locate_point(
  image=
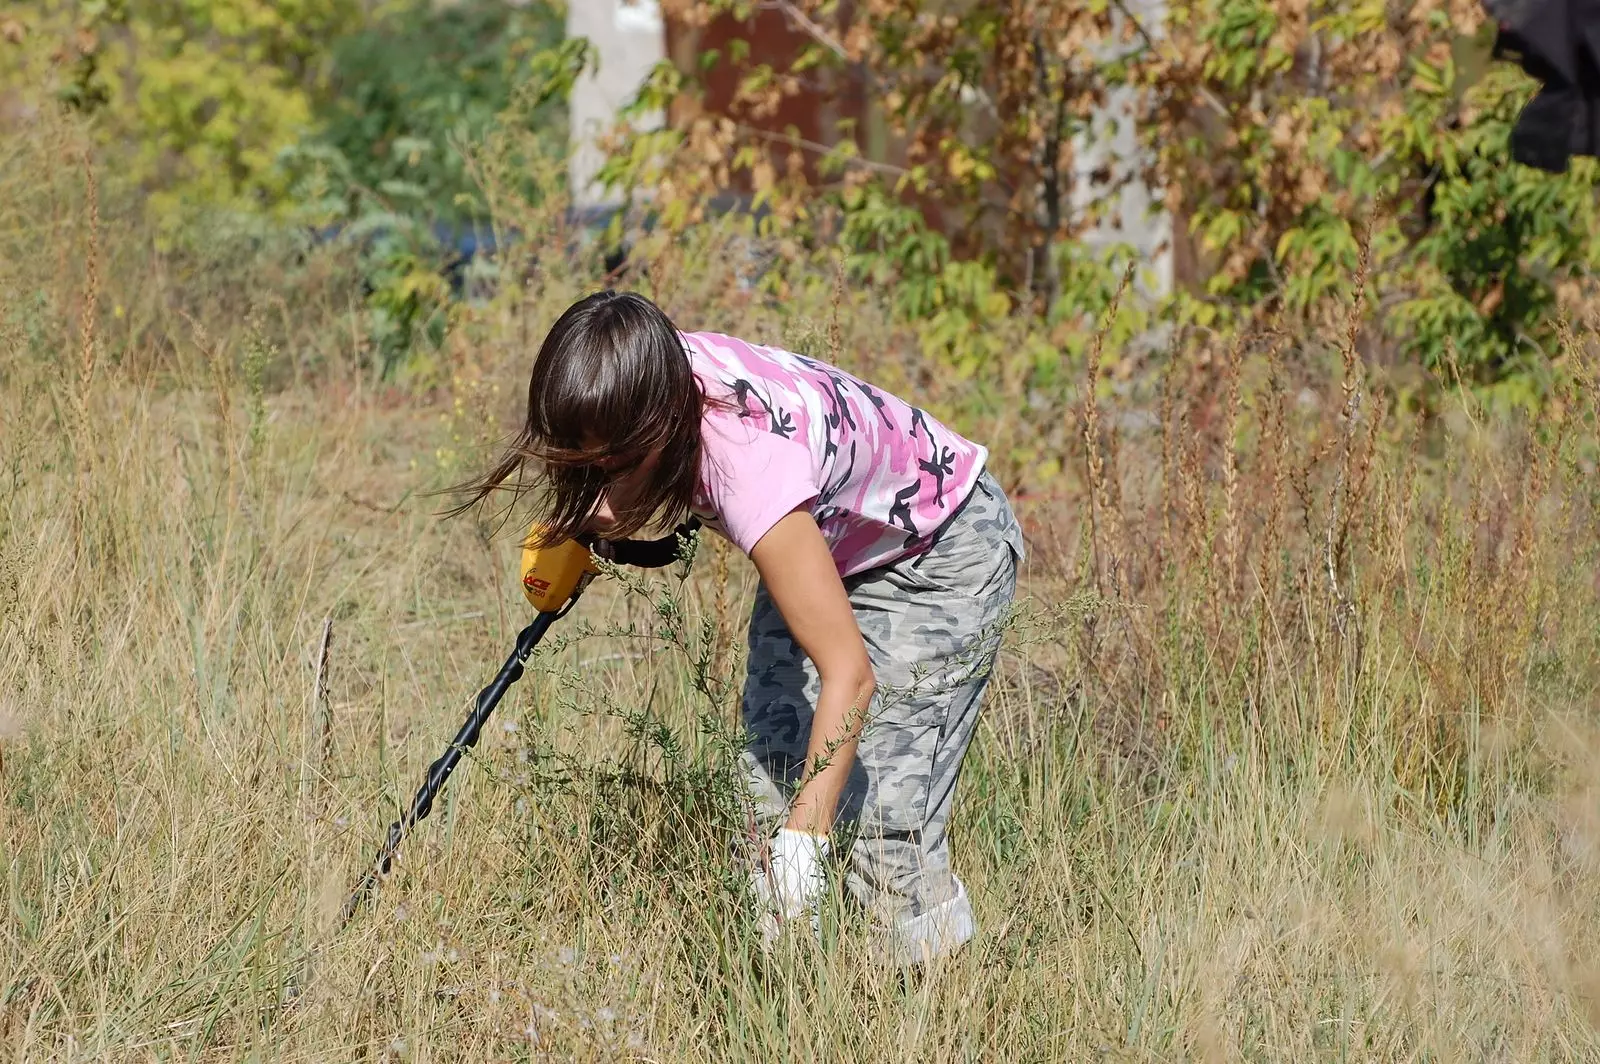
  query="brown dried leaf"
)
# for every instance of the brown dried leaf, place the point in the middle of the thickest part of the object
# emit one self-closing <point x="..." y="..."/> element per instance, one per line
<point x="763" y="176"/>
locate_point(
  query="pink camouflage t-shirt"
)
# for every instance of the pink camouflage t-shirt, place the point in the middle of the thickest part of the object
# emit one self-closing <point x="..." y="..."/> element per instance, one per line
<point x="879" y="475"/>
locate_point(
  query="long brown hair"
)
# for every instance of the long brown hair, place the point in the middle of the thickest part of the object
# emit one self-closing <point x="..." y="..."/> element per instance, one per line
<point x="611" y="383"/>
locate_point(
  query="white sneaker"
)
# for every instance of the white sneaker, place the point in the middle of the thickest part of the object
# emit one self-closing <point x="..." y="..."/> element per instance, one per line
<point x="936" y="933"/>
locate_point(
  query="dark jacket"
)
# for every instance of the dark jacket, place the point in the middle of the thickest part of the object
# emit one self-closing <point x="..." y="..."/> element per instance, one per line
<point x="1557" y="42"/>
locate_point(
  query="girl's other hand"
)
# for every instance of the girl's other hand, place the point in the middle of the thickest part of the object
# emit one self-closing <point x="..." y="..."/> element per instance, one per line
<point x="792" y="878"/>
<point x="801" y="577"/>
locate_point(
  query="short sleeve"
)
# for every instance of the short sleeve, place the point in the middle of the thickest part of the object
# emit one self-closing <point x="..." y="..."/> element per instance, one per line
<point x="753" y="478"/>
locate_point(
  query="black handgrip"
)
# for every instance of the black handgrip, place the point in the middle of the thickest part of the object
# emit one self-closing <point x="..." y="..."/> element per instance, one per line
<point x="652" y="553"/>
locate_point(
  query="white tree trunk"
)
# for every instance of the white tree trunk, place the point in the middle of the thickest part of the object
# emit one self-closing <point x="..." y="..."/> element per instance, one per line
<point x="629" y="38"/>
<point x="1133" y="216"/>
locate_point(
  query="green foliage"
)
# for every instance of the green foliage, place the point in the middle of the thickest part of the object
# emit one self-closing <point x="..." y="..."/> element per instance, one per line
<point x="1287" y="133"/>
<point x="195" y="100"/>
<point x="414" y="99"/>
<point x="418" y="88"/>
<point x="397" y="254"/>
<point x="1403" y="134"/>
<point x="1500" y="244"/>
<point x="250" y="115"/>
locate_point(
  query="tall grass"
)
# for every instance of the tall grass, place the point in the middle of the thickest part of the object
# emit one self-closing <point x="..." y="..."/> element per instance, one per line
<point x="1292" y="753"/>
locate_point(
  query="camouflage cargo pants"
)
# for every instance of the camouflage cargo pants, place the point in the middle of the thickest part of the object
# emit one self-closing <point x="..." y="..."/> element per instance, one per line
<point x="932" y="626"/>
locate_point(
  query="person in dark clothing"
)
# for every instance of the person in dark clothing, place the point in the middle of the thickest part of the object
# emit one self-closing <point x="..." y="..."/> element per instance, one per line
<point x="1557" y="42"/>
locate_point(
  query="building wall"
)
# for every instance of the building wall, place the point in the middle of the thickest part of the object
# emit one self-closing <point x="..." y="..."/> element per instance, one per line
<point x="809" y="121"/>
<point x="629" y="38"/>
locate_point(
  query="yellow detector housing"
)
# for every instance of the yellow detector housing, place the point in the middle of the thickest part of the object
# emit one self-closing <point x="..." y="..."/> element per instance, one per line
<point x="550" y="575"/>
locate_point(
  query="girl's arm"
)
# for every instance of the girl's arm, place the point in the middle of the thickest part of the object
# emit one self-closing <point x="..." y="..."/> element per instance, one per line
<point x="804" y="584"/>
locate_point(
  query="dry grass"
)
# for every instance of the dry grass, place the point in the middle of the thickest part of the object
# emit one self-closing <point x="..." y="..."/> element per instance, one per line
<point x="1294" y="756"/>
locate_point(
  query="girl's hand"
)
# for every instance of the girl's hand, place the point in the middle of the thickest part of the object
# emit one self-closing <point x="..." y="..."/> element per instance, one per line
<point x="803" y="581"/>
<point x="791" y="879"/>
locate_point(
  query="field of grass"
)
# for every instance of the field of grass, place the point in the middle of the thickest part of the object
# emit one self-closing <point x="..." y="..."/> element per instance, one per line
<point x="1293" y="753"/>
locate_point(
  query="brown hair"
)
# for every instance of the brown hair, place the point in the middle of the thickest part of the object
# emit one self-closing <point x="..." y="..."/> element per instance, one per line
<point x="611" y="383"/>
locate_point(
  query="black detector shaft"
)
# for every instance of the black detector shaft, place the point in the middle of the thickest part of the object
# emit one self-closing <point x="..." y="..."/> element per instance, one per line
<point x="647" y="554"/>
<point x="440" y="770"/>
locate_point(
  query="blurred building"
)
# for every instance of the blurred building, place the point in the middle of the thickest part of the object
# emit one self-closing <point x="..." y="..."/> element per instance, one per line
<point x="631" y="36"/>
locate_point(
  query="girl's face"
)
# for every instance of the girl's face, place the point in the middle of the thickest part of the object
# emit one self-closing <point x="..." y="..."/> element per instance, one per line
<point x="621" y="493"/>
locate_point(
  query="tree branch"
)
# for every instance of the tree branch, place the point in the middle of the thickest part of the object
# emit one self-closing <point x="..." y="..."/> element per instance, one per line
<point x="817" y="33"/>
<point x="811" y="29"/>
<point x="1042" y="277"/>
<point x="792" y="141"/>
<point x="987" y="203"/>
<point x="1121" y="5"/>
<point x="1206" y="95"/>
